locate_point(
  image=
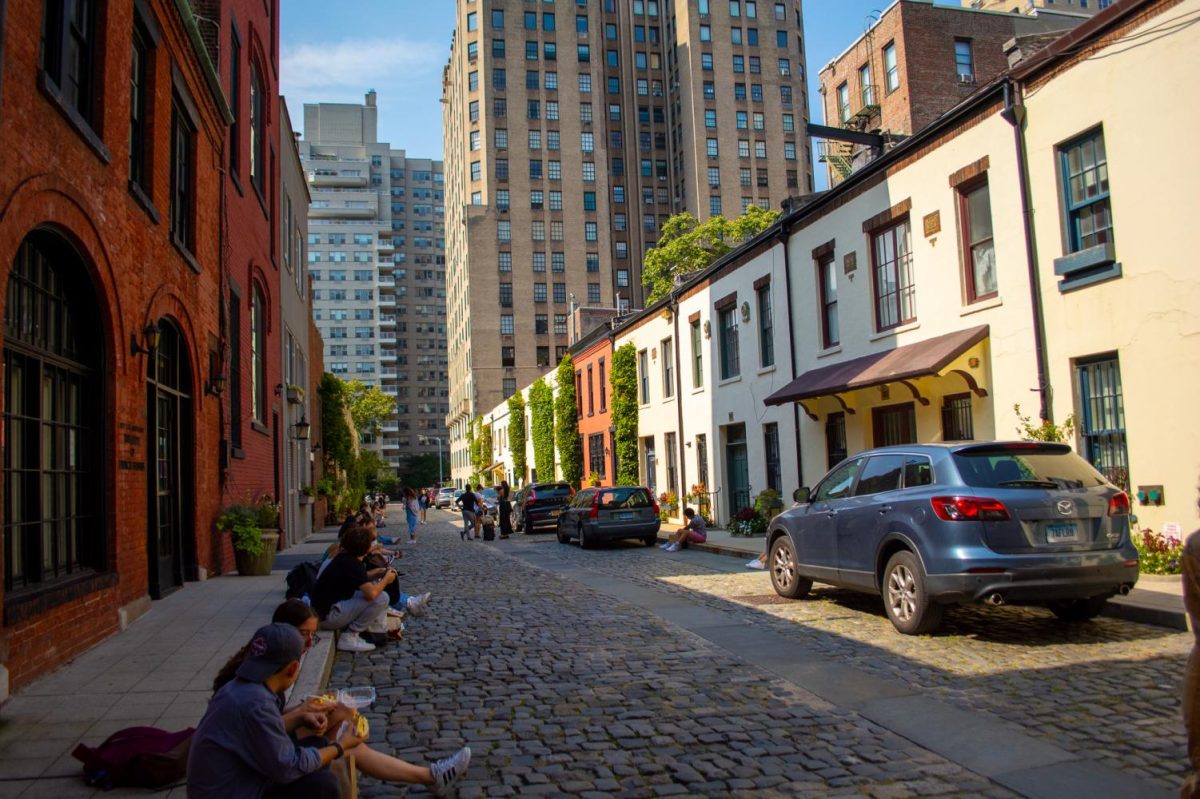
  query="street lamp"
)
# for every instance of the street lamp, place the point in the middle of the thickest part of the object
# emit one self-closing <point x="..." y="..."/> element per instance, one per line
<point x="439" y="442"/>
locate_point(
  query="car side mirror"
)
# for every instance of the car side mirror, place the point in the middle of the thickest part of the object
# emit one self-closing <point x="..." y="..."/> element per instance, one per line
<point x="801" y="496"/>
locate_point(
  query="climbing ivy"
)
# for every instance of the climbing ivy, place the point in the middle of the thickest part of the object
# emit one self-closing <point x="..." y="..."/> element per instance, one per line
<point x="541" y="412"/>
<point x="625" y="413"/>
<point x="484" y="442"/>
<point x="566" y="427"/>
<point x="516" y="434"/>
<point x="472" y="447"/>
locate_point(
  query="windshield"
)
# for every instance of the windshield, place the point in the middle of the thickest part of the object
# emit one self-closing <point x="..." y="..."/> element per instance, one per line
<point x="490" y="493"/>
<point x="553" y="490"/>
<point x="1026" y="469"/>
<point x="626" y="498"/>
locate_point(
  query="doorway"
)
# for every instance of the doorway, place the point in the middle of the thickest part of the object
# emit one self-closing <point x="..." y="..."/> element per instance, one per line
<point x="737" y="466"/>
<point x="651" y="465"/>
<point x="170" y="537"/>
<point x="895" y="424"/>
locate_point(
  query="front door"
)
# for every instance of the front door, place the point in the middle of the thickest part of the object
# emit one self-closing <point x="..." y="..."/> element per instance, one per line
<point x="737" y="465"/>
<point x="170" y="540"/>
<point x="895" y="424"/>
<point x="651" y="466"/>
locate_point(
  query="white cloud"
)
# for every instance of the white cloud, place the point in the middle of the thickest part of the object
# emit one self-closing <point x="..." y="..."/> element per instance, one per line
<point x="327" y="72"/>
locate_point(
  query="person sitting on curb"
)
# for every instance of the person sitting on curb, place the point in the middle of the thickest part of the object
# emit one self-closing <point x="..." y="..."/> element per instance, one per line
<point x="241" y="747"/>
<point x="351" y="599"/>
<point x="440" y="775"/>
<point x="694" y="531"/>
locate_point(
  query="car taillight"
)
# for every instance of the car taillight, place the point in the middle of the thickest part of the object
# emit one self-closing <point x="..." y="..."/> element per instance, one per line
<point x="1118" y="504"/>
<point x="595" y="511"/>
<point x="654" y="504"/>
<point x="969" y="509"/>
<point x="532" y="498"/>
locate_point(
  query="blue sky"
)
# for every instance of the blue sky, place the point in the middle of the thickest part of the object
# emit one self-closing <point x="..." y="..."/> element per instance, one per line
<point x="334" y="52"/>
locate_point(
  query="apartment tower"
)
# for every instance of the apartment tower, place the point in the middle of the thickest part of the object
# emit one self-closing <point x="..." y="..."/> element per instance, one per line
<point x="573" y="130"/>
<point x="375" y="253"/>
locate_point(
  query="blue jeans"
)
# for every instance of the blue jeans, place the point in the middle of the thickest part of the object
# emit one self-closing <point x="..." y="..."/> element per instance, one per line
<point x="468" y="523"/>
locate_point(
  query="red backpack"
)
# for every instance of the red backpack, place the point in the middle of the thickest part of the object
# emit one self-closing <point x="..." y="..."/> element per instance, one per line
<point x="143" y="756"/>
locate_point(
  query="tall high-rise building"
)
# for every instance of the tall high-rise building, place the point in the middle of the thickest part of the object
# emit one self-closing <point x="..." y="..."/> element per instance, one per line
<point x="572" y="132"/>
<point x="376" y="254"/>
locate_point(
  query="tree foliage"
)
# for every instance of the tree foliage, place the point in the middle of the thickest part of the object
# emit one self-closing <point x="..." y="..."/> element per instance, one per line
<point x="516" y="434"/>
<point x="686" y="245"/>
<point x="336" y="435"/>
<point x="369" y="406"/>
<point x="541" y="412"/>
<point x="473" y="442"/>
<point x="484" y="442"/>
<point x="566" y="427"/>
<point x="418" y="471"/>
<point x="625" y="413"/>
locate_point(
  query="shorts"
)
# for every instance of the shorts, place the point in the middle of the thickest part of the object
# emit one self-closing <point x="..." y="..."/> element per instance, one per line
<point x="695" y="537"/>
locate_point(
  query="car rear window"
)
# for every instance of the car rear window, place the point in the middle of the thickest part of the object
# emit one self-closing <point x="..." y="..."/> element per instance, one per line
<point x="1025" y="468"/>
<point x="554" y="490"/>
<point x="626" y="498"/>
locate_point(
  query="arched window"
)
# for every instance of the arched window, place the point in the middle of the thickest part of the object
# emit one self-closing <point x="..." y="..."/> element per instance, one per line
<point x="53" y="410"/>
<point x="258" y="355"/>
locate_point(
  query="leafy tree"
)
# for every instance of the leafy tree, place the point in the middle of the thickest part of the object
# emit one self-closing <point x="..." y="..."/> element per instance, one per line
<point x="625" y="413"/>
<point x="336" y="436"/>
<point x="541" y="411"/>
<point x="419" y="471"/>
<point x="516" y="434"/>
<point x="369" y="406"/>
<point x="566" y="426"/>
<point x="686" y="245"/>
<point x="484" y="442"/>
<point x="473" y="442"/>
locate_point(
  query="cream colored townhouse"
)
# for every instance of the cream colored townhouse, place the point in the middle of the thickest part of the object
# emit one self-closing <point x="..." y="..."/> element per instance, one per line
<point x="925" y="308"/>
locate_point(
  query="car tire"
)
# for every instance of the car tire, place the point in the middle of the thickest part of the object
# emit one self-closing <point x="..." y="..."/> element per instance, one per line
<point x="563" y="538"/>
<point x="908" y="605"/>
<point x="785" y="578"/>
<point x="1078" y="609"/>
<point x="650" y="540"/>
<point x="585" y="541"/>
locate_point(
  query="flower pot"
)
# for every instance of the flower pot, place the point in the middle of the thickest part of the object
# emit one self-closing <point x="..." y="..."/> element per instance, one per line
<point x="305" y="499"/>
<point x="295" y="396"/>
<point x="258" y="565"/>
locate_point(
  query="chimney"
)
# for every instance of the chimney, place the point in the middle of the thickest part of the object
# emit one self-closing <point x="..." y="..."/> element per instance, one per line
<point x="371" y="98"/>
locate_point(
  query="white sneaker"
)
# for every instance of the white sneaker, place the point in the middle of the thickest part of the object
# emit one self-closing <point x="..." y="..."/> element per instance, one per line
<point x="417" y="604"/>
<point x="450" y="770"/>
<point x="756" y="564"/>
<point x="353" y="642"/>
<point x="673" y="548"/>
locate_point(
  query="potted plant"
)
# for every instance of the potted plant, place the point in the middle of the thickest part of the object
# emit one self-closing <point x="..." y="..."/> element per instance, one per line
<point x="768" y="503"/>
<point x="747" y="522"/>
<point x="307" y="493"/>
<point x="253" y="527"/>
<point x="295" y="394"/>
<point x="594" y="479"/>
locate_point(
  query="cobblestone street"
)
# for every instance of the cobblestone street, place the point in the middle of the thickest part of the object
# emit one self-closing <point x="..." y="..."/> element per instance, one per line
<point x="575" y="672"/>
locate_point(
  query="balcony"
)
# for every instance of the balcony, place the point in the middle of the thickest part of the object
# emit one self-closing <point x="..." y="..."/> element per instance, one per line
<point x="387" y="320"/>
<point x="385" y="335"/>
<point x="390" y="390"/>
<point x="391" y="443"/>
<point x="365" y="211"/>
<point x="391" y="427"/>
<point x="388" y="356"/>
<point x="323" y="181"/>
<point x="388" y="373"/>
<point x="385" y="280"/>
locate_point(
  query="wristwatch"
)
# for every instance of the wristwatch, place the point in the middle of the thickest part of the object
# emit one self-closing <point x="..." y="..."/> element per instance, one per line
<point x="340" y="751"/>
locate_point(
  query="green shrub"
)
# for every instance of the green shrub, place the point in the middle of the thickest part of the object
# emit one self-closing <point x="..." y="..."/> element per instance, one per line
<point x="1158" y="554"/>
<point x="566" y="427"/>
<point x="516" y="435"/>
<point x="624" y="408"/>
<point x="541" y="412"/>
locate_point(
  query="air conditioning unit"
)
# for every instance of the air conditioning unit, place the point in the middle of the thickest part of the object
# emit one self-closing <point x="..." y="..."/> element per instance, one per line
<point x="966" y="79"/>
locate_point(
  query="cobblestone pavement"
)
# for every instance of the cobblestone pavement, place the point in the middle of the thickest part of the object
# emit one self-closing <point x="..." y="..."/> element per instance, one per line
<point x="560" y="690"/>
<point x="1106" y="689"/>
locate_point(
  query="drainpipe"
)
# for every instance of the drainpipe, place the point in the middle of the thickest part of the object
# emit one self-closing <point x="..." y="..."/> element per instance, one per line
<point x="679" y="445"/>
<point x="782" y="237"/>
<point x="1014" y="113"/>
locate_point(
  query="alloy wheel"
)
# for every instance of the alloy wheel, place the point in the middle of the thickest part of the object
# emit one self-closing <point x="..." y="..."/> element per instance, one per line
<point x="902" y="592"/>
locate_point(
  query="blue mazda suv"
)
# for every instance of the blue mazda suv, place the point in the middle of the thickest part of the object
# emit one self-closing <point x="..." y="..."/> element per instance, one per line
<point x="931" y="525"/>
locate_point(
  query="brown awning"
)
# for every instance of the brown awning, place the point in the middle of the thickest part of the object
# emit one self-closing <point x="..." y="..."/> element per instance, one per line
<point x="910" y="361"/>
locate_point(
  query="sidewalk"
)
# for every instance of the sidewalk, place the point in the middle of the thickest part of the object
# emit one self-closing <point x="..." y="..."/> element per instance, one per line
<point x="157" y="673"/>
<point x="1157" y="599"/>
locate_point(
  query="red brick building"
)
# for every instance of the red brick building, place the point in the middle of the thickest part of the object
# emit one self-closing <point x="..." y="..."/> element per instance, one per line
<point x="916" y="62"/>
<point x="592" y="355"/>
<point x="109" y="231"/>
<point x="243" y="39"/>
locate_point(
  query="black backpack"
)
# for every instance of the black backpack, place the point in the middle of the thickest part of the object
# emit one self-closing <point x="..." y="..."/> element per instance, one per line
<point x="301" y="579"/>
<point x="144" y="756"/>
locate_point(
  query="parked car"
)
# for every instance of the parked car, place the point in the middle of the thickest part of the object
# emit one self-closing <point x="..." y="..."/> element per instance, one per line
<point x="490" y="498"/>
<point x="444" y="498"/>
<point x="539" y="504"/>
<point x="606" y="514"/>
<point x="931" y="525"/>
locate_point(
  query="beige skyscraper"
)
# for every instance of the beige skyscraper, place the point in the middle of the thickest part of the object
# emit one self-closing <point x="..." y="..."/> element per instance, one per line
<point x="572" y="132"/>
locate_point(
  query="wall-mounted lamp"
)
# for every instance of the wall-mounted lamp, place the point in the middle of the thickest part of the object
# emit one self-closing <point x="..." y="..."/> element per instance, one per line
<point x="151" y="334"/>
<point x="278" y="389"/>
<point x="302" y="429"/>
<point x="215" y="385"/>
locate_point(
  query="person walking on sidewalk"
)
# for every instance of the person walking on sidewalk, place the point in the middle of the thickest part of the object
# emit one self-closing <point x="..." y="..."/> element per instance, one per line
<point x="241" y="747"/>
<point x="505" y="509"/>
<point x="694" y="531"/>
<point x="469" y="504"/>
<point x="412" y="513"/>
<point x="350" y="599"/>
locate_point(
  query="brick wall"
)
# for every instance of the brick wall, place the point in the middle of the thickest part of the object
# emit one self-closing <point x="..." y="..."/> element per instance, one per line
<point x="53" y="177"/>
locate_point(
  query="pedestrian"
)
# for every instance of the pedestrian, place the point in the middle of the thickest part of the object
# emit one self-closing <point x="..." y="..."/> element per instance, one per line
<point x="411" y="514"/>
<point x="242" y="747"/>
<point x="1191" y="678"/>
<point x="505" y="509"/>
<point x="468" y="503"/>
<point x="423" y="502"/>
<point x="694" y="530"/>
<point x="350" y="598"/>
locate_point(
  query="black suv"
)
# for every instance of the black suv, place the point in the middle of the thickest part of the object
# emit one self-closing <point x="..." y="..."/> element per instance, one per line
<point x="539" y="504"/>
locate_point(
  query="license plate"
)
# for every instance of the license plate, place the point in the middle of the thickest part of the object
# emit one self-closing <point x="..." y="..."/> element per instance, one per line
<point x="1060" y="533"/>
<point x="555" y="512"/>
<point x="624" y="516"/>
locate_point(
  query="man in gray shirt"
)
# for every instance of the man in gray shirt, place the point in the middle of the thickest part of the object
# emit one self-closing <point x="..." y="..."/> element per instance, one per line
<point x="242" y="748"/>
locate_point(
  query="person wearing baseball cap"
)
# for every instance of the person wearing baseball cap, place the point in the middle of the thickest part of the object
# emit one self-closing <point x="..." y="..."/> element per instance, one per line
<point x="241" y="748"/>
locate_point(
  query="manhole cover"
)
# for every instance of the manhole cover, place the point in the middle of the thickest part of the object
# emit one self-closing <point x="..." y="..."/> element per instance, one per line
<point x="765" y="599"/>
